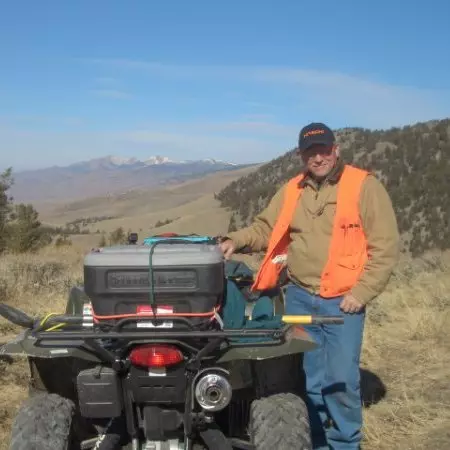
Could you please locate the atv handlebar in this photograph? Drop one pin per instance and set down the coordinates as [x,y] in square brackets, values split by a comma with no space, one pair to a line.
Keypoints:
[310,320]
[16,316]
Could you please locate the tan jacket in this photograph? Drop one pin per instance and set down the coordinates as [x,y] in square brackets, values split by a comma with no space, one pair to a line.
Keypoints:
[311,230]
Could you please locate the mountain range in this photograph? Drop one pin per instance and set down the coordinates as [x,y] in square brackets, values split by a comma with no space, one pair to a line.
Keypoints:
[109,175]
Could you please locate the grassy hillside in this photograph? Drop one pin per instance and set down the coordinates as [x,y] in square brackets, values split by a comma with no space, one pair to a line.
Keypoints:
[413,162]
[141,209]
[405,361]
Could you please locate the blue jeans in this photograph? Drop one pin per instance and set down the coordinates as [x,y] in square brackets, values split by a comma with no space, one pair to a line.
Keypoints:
[332,371]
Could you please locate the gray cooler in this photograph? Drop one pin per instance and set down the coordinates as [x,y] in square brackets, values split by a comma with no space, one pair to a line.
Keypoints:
[188,278]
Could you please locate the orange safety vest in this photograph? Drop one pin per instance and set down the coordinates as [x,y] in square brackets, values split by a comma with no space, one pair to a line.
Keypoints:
[348,247]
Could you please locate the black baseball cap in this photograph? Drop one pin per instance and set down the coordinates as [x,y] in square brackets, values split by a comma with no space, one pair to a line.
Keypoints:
[313,134]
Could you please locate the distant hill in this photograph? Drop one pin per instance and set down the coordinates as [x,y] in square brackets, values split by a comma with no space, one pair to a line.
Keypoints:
[413,162]
[108,176]
[142,208]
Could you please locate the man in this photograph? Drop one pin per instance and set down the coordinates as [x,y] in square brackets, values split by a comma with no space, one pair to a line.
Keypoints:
[334,230]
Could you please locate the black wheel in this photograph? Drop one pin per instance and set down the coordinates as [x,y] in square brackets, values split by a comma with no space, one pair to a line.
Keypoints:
[44,422]
[280,422]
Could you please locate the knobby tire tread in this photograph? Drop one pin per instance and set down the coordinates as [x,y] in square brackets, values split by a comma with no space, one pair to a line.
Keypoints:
[43,423]
[280,422]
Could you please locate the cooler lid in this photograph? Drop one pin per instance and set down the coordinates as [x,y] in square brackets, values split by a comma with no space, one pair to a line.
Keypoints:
[178,254]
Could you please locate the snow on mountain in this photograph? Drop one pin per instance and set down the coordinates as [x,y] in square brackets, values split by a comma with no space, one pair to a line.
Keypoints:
[111,173]
[119,161]
[218,161]
[157,160]
[111,160]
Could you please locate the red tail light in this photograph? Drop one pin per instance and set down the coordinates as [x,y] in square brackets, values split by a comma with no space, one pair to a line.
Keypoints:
[155,356]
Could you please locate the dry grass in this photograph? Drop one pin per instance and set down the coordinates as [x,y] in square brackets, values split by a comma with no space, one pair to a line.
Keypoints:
[406,347]
[201,214]
[35,283]
[145,206]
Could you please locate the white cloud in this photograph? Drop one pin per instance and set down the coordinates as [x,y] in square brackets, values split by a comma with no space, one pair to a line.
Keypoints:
[316,95]
[32,149]
[250,124]
[359,100]
[112,93]
[193,145]
[108,81]
[362,101]
[258,117]
[34,120]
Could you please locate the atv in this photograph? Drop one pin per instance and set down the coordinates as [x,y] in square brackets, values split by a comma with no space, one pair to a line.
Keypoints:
[163,347]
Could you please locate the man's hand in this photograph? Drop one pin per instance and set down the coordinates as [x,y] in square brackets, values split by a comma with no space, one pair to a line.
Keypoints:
[350,305]
[228,248]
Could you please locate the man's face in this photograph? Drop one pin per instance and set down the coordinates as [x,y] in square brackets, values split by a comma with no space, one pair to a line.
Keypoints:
[320,159]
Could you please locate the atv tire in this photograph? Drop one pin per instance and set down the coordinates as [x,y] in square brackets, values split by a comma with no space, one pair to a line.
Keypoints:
[44,422]
[280,422]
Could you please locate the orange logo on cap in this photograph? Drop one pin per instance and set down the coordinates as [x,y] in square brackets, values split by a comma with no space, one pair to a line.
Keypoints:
[313,132]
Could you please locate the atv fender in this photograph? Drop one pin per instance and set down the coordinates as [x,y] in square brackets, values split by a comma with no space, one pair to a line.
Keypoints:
[297,340]
[24,345]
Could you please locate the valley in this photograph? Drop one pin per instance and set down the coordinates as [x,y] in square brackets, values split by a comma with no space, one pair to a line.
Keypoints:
[190,206]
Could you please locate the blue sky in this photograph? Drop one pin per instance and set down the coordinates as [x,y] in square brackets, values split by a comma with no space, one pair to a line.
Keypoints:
[232,80]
